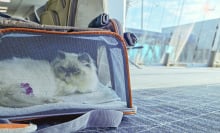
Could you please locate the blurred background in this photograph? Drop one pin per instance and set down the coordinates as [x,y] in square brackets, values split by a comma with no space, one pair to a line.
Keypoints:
[185,31]
[174,32]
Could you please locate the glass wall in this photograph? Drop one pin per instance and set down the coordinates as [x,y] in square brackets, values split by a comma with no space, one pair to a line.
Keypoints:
[186,30]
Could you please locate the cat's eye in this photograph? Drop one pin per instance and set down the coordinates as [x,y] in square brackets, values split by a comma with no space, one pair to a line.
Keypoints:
[87,65]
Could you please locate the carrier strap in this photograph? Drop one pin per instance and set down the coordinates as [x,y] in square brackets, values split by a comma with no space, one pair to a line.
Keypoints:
[130,38]
[104,22]
[99,21]
[94,118]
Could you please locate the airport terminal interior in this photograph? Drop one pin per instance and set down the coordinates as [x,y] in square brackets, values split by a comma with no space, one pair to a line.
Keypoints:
[174,65]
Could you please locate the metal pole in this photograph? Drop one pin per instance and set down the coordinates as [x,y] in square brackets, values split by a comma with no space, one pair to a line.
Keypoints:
[142,14]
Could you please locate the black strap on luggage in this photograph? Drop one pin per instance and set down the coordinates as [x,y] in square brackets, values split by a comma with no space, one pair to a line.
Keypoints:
[103,21]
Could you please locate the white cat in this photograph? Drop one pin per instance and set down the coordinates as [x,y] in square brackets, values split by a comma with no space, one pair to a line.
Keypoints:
[75,73]
[27,82]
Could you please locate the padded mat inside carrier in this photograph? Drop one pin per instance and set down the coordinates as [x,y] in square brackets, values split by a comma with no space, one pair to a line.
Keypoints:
[105,98]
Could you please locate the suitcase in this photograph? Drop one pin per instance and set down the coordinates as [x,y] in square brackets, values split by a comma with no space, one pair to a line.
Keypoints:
[76,13]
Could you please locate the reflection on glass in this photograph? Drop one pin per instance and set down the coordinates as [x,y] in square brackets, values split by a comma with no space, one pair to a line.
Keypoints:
[186,29]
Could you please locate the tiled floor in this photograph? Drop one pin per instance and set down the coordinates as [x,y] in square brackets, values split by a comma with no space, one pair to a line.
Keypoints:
[180,109]
[172,100]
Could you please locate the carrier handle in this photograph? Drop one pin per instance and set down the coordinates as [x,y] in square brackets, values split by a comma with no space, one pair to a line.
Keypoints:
[104,22]
[94,118]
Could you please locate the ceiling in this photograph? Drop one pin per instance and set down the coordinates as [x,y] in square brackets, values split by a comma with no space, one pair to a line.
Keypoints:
[21,8]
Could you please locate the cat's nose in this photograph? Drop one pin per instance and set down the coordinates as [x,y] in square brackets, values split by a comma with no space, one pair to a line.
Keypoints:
[71,71]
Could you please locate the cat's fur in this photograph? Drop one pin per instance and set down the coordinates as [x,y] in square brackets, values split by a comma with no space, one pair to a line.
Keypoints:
[75,73]
[68,73]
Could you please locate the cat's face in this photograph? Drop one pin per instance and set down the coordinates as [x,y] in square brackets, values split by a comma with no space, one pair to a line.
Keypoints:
[68,66]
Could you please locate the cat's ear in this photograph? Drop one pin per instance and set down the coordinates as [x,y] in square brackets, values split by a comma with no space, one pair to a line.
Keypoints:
[61,54]
[84,58]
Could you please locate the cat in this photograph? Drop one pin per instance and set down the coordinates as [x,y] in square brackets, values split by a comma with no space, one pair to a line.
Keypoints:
[16,72]
[26,82]
[75,73]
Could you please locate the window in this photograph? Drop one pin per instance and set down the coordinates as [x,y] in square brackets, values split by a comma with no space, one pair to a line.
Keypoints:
[186,30]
